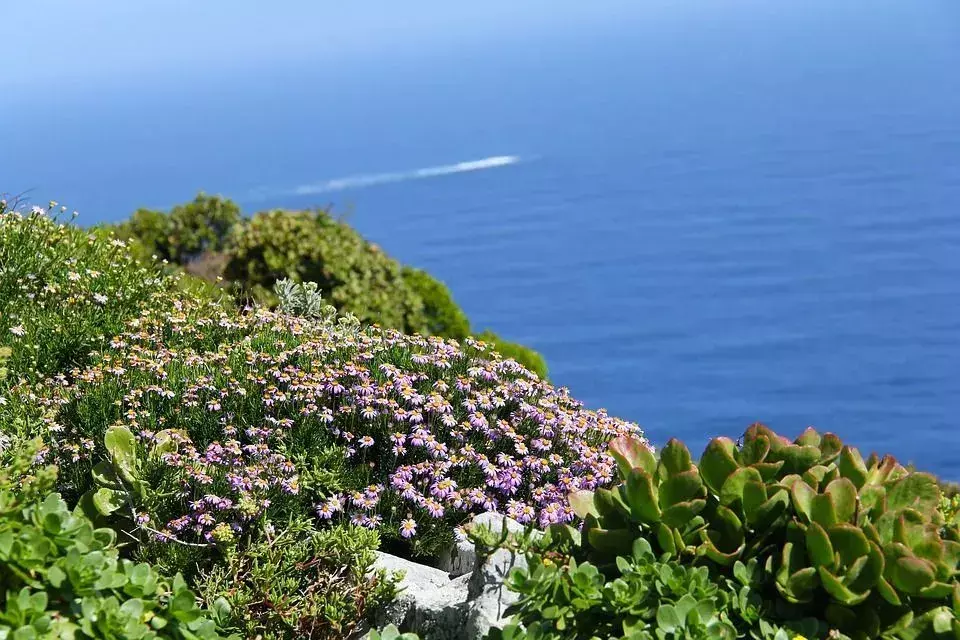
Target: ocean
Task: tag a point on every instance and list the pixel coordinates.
(701, 217)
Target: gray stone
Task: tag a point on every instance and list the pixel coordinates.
(461, 557)
(429, 603)
(488, 597)
(437, 607)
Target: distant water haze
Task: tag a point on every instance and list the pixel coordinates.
(702, 216)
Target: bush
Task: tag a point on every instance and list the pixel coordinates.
(299, 582)
(188, 231)
(62, 578)
(443, 316)
(648, 599)
(208, 238)
(311, 246)
(860, 544)
(65, 291)
(276, 415)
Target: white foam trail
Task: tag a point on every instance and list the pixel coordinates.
(368, 180)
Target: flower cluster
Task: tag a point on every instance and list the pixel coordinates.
(64, 288)
(429, 430)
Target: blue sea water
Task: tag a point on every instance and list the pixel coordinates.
(718, 216)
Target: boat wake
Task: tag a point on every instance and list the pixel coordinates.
(368, 180)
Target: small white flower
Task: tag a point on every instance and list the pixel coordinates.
(38, 210)
(74, 276)
(18, 330)
(100, 298)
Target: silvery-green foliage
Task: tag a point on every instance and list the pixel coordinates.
(302, 299)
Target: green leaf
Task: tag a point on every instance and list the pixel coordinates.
(809, 438)
(631, 453)
(802, 497)
(641, 496)
(849, 541)
(611, 541)
(851, 466)
(105, 476)
(582, 503)
(680, 487)
(122, 447)
(819, 546)
(680, 514)
(822, 511)
(675, 457)
(844, 497)
(911, 575)
(916, 491)
(6, 543)
(756, 447)
(107, 501)
(718, 462)
(56, 576)
(733, 487)
(667, 618)
(838, 591)
(798, 459)
(164, 442)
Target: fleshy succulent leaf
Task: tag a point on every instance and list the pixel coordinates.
(852, 467)
(819, 546)
(718, 462)
(840, 592)
(641, 496)
(675, 457)
(912, 575)
(916, 491)
(631, 452)
(582, 503)
(733, 487)
(843, 494)
(802, 497)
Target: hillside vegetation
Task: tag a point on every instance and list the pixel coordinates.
(210, 239)
(177, 465)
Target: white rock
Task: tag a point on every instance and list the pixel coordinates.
(419, 583)
(437, 607)
(488, 597)
(461, 557)
(430, 603)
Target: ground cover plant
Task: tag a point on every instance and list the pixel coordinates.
(234, 415)
(812, 529)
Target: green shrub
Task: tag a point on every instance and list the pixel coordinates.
(65, 292)
(443, 316)
(524, 355)
(208, 238)
(299, 582)
(644, 599)
(63, 578)
(857, 542)
(353, 275)
(189, 230)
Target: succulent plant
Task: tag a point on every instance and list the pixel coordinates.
(832, 530)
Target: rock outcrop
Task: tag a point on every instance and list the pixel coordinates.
(461, 600)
